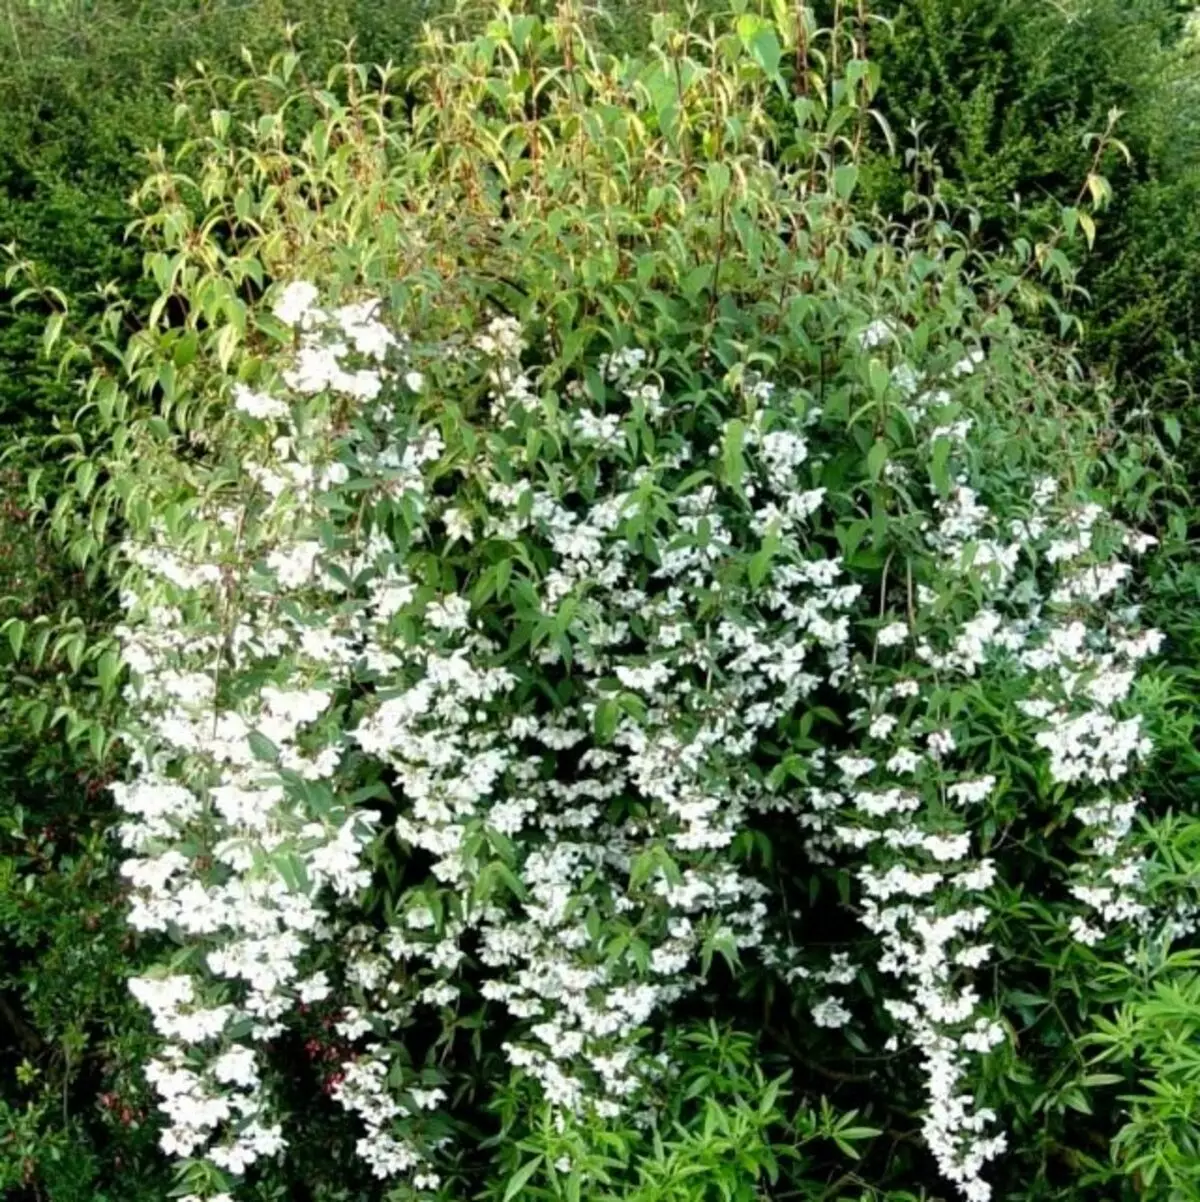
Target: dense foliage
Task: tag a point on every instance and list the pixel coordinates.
(628, 673)
(994, 99)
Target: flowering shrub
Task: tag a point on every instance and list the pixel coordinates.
(567, 548)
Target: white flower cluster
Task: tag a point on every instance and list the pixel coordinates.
(616, 796)
(900, 798)
(611, 801)
(238, 839)
(573, 759)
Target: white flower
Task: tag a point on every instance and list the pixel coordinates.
(904, 761)
(882, 725)
(451, 613)
(294, 566)
(829, 1012)
(964, 367)
(360, 324)
(875, 334)
(295, 302)
(236, 1067)
(940, 743)
(855, 766)
(970, 792)
(258, 404)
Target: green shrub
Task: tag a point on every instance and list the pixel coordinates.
(531, 214)
(656, 282)
(84, 90)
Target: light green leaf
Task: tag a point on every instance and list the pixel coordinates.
(764, 49)
(107, 668)
(877, 456)
(16, 635)
(520, 1178)
(938, 469)
(732, 458)
(606, 718)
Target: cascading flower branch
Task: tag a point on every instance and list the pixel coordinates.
(1028, 600)
(552, 639)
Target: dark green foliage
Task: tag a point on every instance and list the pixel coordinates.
(73, 1108)
(1003, 95)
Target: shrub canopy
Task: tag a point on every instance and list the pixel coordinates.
(566, 545)
(585, 576)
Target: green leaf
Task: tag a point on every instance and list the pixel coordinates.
(262, 747)
(1092, 1079)
(880, 378)
(53, 330)
(760, 561)
(606, 718)
(75, 649)
(85, 478)
(732, 459)
(760, 565)
(291, 868)
(877, 456)
(522, 29)
(938, 469)
(764, 49)
(107, 668)
(697, 280)
(845, 177)
(520, 1178)
(718, 179)
(16, 635)
(503, 576)
(510, 878)
(227, 340)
